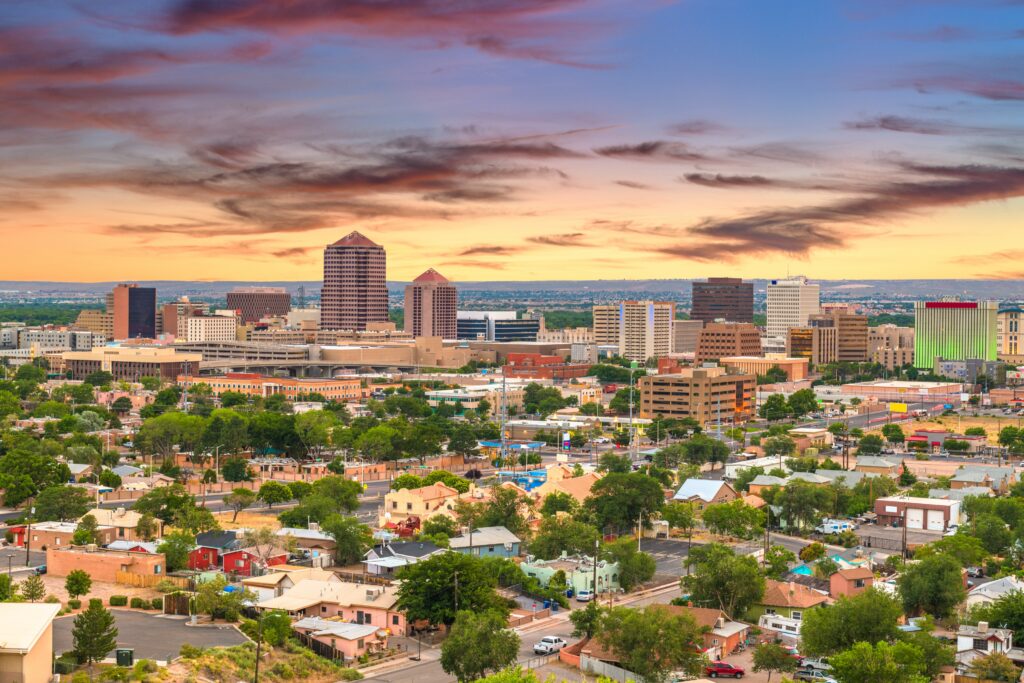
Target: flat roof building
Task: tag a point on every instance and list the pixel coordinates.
(134, 311)
(719, 340)
(795, 368)
(723, 298)
(252, 384)
(645, 329)
(954, 330)
(496, 326)
(131, 362)
(791, 303)
(26, 641)
(253, 303)
(704, 394)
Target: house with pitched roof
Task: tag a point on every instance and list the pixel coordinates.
(783, 607)
(577, 487)
(26, 641)
(210, 549)
(386, 559)
(488, 541)
(850, 582)
(358, 603)
(764, 481)
(877, 465)
(722, 635)
(704, 492)
(423, 503)
(987, 593)
(347, 641)
(279, 582)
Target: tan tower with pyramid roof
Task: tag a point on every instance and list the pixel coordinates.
(355, 290)
(431, 304)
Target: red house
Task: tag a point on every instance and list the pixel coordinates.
(203, 558)
(210, 548)
(244, 560)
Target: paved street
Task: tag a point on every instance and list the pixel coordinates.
(153, 636)
(14, 559)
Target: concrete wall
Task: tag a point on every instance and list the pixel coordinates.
(103, 565)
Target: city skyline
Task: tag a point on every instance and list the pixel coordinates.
(179, 140)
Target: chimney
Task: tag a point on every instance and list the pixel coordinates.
(982, 627)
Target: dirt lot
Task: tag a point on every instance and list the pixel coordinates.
(992, 425)
(249, 519)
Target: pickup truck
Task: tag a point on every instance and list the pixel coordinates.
(814, 676)
(548, 645)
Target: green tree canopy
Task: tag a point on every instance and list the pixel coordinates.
(652, 642)
(479, 642)
(870, 617)
(722, 580)
(933, 586)
(427, 591)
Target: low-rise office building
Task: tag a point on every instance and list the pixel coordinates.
(131, 363)
(705, 394)
(795, 368)
(253, 384)
(721, 340)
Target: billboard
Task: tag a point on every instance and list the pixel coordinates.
(566, 441)
(897, 407)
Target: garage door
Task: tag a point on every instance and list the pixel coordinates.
(936, 521)
(915, 518)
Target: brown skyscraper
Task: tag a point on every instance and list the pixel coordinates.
(134, 310)
(725, 298)
(431, 303)
(355, 288)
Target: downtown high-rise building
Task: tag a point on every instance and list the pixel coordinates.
(645, 329)
(355, 289)
(134, 311)
(954, 330)
(431, 306)
(723, 298)
(253, 303)
(791, 303)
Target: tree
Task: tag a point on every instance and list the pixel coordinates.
(825, 567)
(478, 643)
(159, 435)
(933, 586)
(176, 546)
(32, 588)
(893, 433)
(802, 402)
(870, 444)
(734, 518)
(777, 561)
(558, 502)
(991, 531)
(778, 447)
(440, 525)
(585, 621)
(722, 580)
(77, 583)
(239, 499)
(870, 616)
(165, 502)
(680, 515)
(772, 657)
(274, 492)
(898, 663)
(94, 633)
(505, 509)
(620, 500)
(352, 539)
(277, 627)
(803, 503)
(1007, 612)
(612, 462)
(635, 567)
(774, 408)
(236, 469)
(313, 429)
(122, 404)
(652, 642)
(994, 667)
(448, 479)
(212, 600)
(85, 533)
(62, 503)
(147, 528)
(556, 535)
(426, 590)
(700, 449)
(195, 520)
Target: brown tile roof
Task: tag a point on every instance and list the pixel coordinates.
(577, 487)
(780, 594)
(753, 500)
(705, 617)
(855, 573)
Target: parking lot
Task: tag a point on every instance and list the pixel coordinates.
(668, 554)
(153, 636)
(15, 559)
(891, 538)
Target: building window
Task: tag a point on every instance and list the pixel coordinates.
(239, 563)
(394, 620)
(797, 615)
(156, 569)
(359, 644)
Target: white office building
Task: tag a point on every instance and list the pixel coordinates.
(791, 303)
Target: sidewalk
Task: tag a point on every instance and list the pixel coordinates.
(564, 615)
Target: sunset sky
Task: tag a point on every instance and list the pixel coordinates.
(512, 139)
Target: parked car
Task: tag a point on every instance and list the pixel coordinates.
(834, 526)
(584, 596)
(41, 569)
(814, 676)
(975, 572)
(819, 663)
(602, 439)
(723, 670)
(549, 645)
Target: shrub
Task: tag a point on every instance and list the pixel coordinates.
(74, 603)
(118, 600)
(64, 665)
(166, 586)
(143, 667)
(158, 603)
(52, 599)
(350, 675)
(115, 673)
(139, 603)
(81, 677)
(190, 651)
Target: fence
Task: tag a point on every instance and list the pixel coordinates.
(356, 577)
(520, 617)
(595, 666)
(176, 603)
(150, 580)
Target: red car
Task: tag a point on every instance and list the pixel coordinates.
(723, 669)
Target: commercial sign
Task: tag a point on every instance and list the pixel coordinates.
(897, 407)
(566, 441)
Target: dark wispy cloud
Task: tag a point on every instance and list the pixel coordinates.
(908, 124)
(541, 30)
(633, 185)
(571, 239)
(404, 177)
(490, 250)
(696, 127)
(730, 181)
(787, 152)
(797, 231)
(654, 150)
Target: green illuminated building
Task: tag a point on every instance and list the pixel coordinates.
(954, 330)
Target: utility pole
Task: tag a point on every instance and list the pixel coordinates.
(632, 367)
(259, 641)
(639, 529)
(597, 547)
(502, 418)
(28, 537)
(456, 591)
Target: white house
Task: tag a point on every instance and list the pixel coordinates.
(988, 593)
(704, 492)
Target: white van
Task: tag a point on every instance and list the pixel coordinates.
(834, 526)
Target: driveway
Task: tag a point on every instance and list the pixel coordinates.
(153, 636)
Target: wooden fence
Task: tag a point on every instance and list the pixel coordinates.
(177, 603)
(150, 580)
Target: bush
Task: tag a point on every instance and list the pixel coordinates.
(350, 675)
(115, 673)
(64, 665)
(52, 599)
(190, 651)
(75, 603)
(166, 586)
(81, 677)
(143, 667)
(250, 628)
(118, 600)
(139, 603)
(158, 603)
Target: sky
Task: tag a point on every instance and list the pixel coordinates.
(512, 139)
